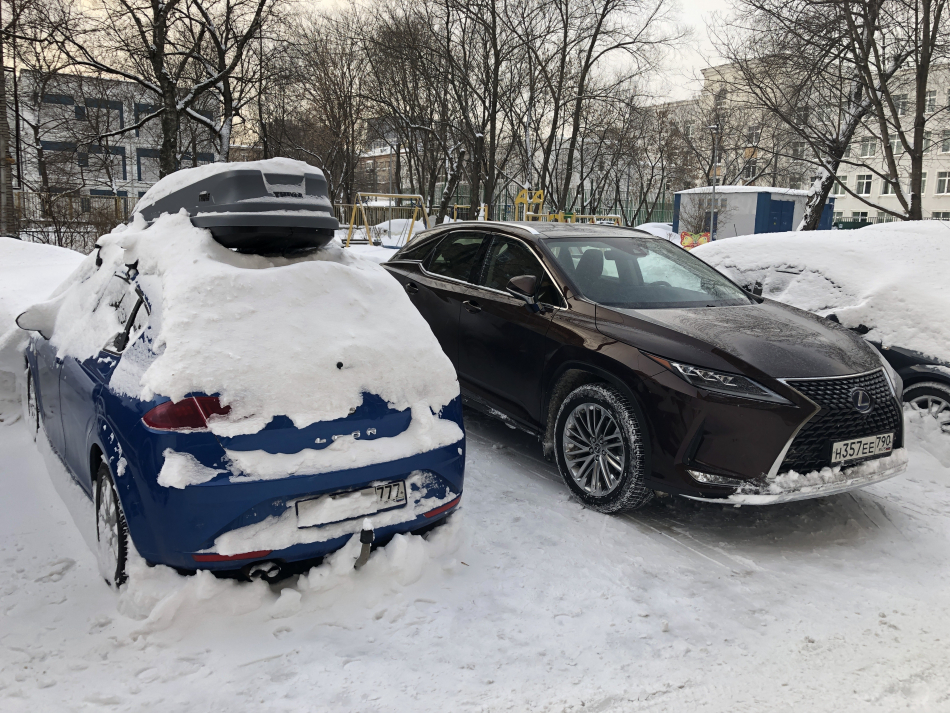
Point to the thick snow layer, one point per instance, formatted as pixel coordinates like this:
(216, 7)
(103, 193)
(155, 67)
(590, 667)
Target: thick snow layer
(180, 179)
(29, 272)
(525, 601)
(304, 338)
(426, 432)
(747, 189)
(891, 278)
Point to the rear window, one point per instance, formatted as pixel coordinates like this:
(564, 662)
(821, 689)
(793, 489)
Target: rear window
(641, 273)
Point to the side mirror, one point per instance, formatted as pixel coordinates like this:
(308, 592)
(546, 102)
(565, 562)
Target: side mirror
(39, 318)
(524, 287)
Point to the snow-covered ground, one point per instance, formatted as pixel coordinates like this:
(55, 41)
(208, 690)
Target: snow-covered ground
(524, 601)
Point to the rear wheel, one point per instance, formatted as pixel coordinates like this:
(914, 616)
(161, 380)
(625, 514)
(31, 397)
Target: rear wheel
(32, 408)
(601, 449)
(112, 531)
(933, 399)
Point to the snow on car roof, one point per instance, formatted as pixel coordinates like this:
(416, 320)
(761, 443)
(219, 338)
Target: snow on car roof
(301, 337)
(890, 278)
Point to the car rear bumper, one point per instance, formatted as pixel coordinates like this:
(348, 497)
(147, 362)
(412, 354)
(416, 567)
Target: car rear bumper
(227, 524)
(787, 487)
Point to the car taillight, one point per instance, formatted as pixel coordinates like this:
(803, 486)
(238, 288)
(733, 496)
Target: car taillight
(189, 414)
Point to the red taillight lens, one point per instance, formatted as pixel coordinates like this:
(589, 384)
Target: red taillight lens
(189, 414)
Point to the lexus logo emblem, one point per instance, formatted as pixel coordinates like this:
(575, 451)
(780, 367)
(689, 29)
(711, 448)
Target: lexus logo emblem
(861, 400)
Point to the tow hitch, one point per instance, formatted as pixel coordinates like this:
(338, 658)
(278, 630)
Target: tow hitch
(366, 538)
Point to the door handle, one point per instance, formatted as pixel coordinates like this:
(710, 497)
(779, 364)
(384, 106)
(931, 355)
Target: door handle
(411, 288)
(472, 306)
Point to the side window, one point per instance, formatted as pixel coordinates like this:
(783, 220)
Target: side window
(509, 258)
(456, 255)
(416, 250)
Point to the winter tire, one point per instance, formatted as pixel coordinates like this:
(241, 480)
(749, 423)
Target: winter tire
(931, 397)
(112, 532)
(601, 448)
(32, 406)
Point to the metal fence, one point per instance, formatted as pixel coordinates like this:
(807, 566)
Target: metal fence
(69, 220)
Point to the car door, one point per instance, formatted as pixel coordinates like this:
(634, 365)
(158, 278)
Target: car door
(48, 367)
(438, 284)
(119, 305)
(503, 344)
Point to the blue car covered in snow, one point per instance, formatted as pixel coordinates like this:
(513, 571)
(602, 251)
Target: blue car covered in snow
(228, 410)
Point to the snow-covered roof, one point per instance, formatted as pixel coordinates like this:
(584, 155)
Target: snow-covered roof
(302, 337)
(745, 189)
(890, 278)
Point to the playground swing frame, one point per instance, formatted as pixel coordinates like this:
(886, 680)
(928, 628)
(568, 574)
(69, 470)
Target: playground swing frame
(418, 204)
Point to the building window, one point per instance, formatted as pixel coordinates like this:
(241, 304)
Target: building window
(837, 189)
(837, 216)
(900, 103)
(749, 172)
(897, 147)
(720, 98)
(931, 100)
(795, 184)
(861, 215)
(863, 184)
(868, 147)
(940, 215)
(801, 114)
(928, 140)
(688, 131)
(798, 149)
(887, 187)
(943, 183)
(754, 135)
(945, 141)
(923, 183)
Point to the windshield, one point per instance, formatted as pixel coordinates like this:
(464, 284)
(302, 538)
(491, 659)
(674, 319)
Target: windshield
(641, 273)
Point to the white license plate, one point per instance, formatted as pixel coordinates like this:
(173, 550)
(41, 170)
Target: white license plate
(346, 506)
(843, 451)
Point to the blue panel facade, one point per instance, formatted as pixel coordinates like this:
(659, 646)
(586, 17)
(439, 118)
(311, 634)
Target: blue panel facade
(827, 215)
(762, 203)
(780, 216)
(676, 213)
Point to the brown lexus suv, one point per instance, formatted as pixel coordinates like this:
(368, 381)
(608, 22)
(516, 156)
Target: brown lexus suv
(643, 369)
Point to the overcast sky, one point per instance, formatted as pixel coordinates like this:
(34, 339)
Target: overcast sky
(683, 76)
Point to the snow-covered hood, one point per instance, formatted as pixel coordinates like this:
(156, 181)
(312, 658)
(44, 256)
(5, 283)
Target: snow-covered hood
(304, 338)
(777, 340)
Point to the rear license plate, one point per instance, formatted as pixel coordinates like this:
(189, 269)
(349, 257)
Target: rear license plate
(346, 506)
(843, 451)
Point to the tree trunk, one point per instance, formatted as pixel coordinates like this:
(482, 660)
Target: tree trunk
(817, 197)
(474, 198)
(451, 182)
(7, 218)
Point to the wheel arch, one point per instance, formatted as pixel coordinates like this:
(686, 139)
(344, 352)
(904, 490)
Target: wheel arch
(568, 376)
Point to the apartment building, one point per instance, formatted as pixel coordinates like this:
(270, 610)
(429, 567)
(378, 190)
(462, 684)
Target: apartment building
(68, 136)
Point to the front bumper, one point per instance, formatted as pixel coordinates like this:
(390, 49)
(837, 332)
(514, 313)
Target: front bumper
(787, 487)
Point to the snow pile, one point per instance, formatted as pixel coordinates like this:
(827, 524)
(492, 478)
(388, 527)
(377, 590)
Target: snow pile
(303, 337)
(159, 598)
(181, 179)
(892, 278)
(29, 272)
(925, 430)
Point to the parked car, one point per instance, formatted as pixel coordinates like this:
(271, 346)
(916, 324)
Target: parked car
(234, 412)
(642, 368)
(884, 282)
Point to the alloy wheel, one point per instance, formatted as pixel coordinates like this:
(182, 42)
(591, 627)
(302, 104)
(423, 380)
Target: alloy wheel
(107, 530)
(935, 407)
(593, 449)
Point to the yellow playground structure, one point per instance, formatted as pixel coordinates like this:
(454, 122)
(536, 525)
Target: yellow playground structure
(529, 203)
(386, 216)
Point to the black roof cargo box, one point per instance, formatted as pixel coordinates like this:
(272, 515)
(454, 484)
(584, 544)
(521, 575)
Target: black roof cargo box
(267, 207)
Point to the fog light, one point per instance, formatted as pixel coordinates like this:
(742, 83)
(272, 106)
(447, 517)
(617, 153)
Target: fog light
(711, 479)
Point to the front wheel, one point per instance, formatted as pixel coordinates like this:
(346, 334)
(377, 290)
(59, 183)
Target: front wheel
(602, 450)
(931, 398)
(112, 531)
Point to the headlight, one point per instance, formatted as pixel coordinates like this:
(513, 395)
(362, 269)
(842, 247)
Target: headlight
(893, 378)
(721, 382)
